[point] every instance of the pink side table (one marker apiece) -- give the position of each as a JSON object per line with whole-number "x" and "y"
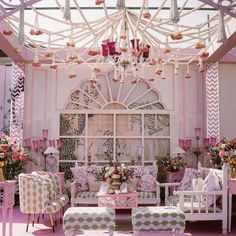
{"x": 232, "y": 190}
{"x": 7, "y": 200}
{"x": 118, "y": 201}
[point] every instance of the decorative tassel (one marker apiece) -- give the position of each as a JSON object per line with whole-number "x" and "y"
{"x": 67, "y": 15}
{"x": 221, "y": 28}
{"x": 120, "y": 4}
{"x": 187, "y": 76}
{"x": 21, "y": 35}
{"x": 163, "y": 74}
{"x": 174, "y": 13}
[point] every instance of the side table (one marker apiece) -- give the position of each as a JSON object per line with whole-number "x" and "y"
{"x": 232, "y": 190}
{"x": 7, "y": 200}
{"x": 118, "y": 201}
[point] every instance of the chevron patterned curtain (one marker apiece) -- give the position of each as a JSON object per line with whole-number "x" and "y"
{"x": 212, "y": 101}
{"x": 17, "y": 101}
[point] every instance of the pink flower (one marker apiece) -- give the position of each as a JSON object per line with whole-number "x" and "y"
{"x": 23, "y": 157}
{"x": 15, "y": 155}
{"x": 221, "y": 153}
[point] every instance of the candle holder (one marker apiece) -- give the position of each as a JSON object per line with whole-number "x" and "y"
{"x": 197, "y": 152}
{"x": 41, "y": 145}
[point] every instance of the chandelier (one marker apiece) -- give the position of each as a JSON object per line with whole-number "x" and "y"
{"x": 126, "y": 40}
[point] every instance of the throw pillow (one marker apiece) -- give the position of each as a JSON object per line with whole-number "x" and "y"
{"x": 211, "y": 183}
{"x": 132, "y": 185}
{"x": 147, "y": 181}
{"x": 198, "y": 186}
{"x": 93, "y": 184}
{"x": 80, "y": 174}
{"x": 186, "y": 182}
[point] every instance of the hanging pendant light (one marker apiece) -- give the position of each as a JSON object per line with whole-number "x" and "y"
{"x": 174, "y": 13}
{"x": 67, "y": 14}
{"x": 221, "y": 28}
{"x": 21, "y": 35}
{"x": 120, "y": 4}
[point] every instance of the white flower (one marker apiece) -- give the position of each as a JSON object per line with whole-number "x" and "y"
{"x": 222, "y": 145}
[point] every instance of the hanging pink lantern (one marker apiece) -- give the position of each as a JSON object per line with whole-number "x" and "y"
{"x": 52, "y": 143}
{"x": 135, "y": 44}
{"x": 112, "y": 48}
{"x": 42, "y": 143}
{"x": 59, "y": 143}
{"x": 105, "y": 50}
{"x": 45, "y": 133}
{"x": 181, "y": 143}
{"x": 206, "y": 142}
{"x": 188, "y": 143}
{"x": 27, "y": 142}
{"x": 35, "y": 144}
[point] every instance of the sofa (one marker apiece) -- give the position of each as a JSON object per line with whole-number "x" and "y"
{"x": 202, "y": 195}
{"x": 84, "y": 188}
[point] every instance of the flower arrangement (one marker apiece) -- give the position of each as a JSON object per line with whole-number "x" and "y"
{"x": 115, "y": 174}
{"x": 222, "y": 152}
{"x": 172, "y": 164}
{"x": 12, "y": 158}
{"x": 175, "y": 164}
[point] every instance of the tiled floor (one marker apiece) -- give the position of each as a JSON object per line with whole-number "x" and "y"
{"x": 123, "y": 223}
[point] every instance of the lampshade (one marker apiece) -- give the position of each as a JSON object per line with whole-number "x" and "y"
{"x": 178, "y": 150}
{"x": 50, "y": 150}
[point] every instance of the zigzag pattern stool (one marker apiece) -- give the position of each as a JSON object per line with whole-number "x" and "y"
{"x": 77, "y": 219}
{"x": 158, "y": 219}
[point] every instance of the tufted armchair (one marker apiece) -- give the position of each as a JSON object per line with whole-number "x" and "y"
{"x": 39, "y": 195}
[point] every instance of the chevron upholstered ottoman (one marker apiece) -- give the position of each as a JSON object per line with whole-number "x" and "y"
{"x": 158, "y": 219}
{"x": 78, "y": 219}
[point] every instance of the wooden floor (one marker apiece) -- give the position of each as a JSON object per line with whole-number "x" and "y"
{"x": 123, "y": 227}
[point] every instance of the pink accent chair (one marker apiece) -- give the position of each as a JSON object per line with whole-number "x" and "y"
{"x": 7, "y": 200}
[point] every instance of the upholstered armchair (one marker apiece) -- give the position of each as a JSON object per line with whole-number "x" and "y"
{"x": 38, "y": 196}
{"x": 55, "y": 187}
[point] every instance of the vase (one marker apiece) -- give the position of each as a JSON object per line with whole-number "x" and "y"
{"x": 114, "y": 185}
{"x": 231, "y": 172}
{"x": 2, "y": 171}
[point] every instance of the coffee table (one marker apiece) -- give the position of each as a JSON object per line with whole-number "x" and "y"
{"x": 118, "y": 201}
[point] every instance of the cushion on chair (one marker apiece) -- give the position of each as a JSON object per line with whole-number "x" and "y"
{"x": 86, "y": 194}
{"x": 53, "y": 206}
{"x": 211, "y": 183}
{"x": 146, "y": 195}
{"x": 147, "y": 177}
{"x": 93, "y": 184}
{"x": 80, "y": 175}
{"x": 186, "y": 182}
